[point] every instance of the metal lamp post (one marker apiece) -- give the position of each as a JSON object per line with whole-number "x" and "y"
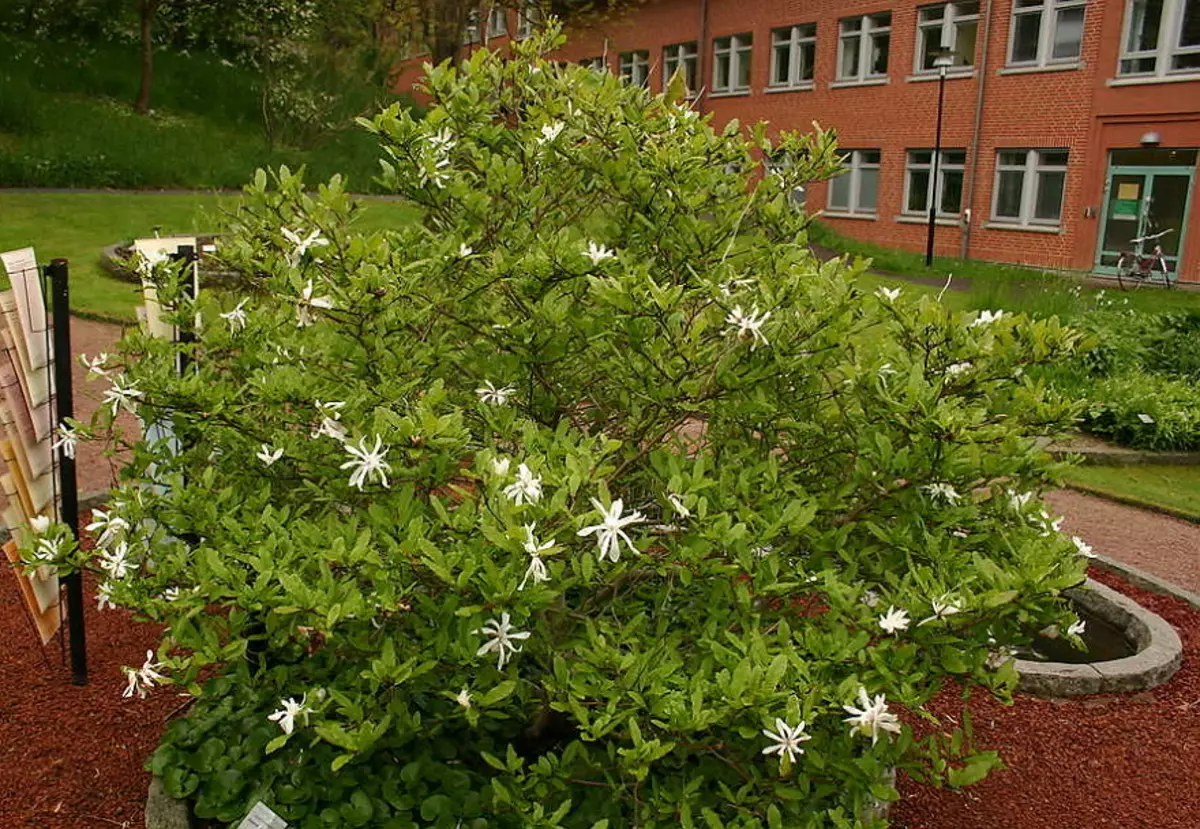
{"x": 943, "y": 59}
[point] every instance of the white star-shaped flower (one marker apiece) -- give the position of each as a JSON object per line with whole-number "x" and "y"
{"x": 286, "y": 716}
{"x": 108, "y": 524}
{"x": 96, "y": 366}
{"x": 942, "y": 492}
{"x": 495, "y": 396}
{"x": 1077, "y": 628}
{"x": 611, "y": 531}
{"x": 302, "y": 244}
{"x": 1083, "y": 547}
{"x": 236, "y": 318}
{"x": 536, "y": 571}
{"x": 942, "y": 608}
{"x": 122, "y": 396}
{"x": 47, "y": 550}
{"x": 526, "y": 489}
{"x": 787, "y": 741}
{"x": 676, "y": 502}
{"x": 306, "y": 304}
{"x": 464, "y": 699}
{"x": 367, "y": 463}
{"x": 748, "y": 326}
{"x": 955, "y": 369}
{"x": 141, "y": 680}
{"x": 442, "y": 141}
{"x": 68, "y": 441}
{"x": 500, "y": 466}
{"x": 894, "y": 621}
{"x": 116, "y": 562}
{"x": 268, "y": 455}
{"x": 501, "y": 639}
{"x": 987, "y": 318}
{"x": 870, "y": 598}
{"x": 551, "y": 132}
{"x": 873, "y": 718}
{"x": 598, "y": 253}
{"x": 1019, "y": 500}
{"x": 465, "y": 250}
{"x": 39, "y": 524}
{"x": 104, "y": 596}
{"x": 888, "y": 294}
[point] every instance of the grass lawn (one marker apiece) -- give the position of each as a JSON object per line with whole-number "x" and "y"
{"x": 78, "y": 226}
{"x": 1174, "y": 487}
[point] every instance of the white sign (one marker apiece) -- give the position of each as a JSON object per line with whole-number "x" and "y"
{"x": 261, "y": 817}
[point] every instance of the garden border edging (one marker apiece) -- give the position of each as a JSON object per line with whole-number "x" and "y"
{"x": 1159, "y": 654}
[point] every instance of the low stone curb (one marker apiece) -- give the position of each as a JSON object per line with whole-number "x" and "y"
{"x": 1148, "y": 581}
{"x": 1128, "y": 501}
{"x": 1125, "y": 457}
{"x": 164, "y": 811}
{"x": 1159, "y": 652}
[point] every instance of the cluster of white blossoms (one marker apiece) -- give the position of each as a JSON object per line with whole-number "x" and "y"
{"x": 435, "y": 168}
{"x": 142, "y": 680}
{"x": 330, "y": 425}
{"x": 986, "y": 318}
{"x": 302, "y": 244}
{"x": 598, "y": 253}
{"x": 236, "y": 318}
{"x": 68, "y": 440}
{"x": 942, "y": 492}
{"x": 122, "y": 395}
{"x": 307, "y": 304}
{"x": 871, "y": 720}
{"x": 493, "y": 396}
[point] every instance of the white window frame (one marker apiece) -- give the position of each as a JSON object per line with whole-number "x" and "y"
{"x": 932, "y": 189}
{"x": 792, "y": 38}
{"x": 854, "y": 167}
{"x": 634, "y": 67}
{"x": 1170, "y": 32}
{"x": 947, "y": 36}
{"x": 528, "y": 19}
{"x": 596, "y": 64}
{"x": 1050, "y": 10}
{"x": 867, "y": 30}
{"x": 741, "y": 47}
{"x": 1031, "y": 183}
{"x": 497, "y": 22}
{"x": 682, "y": 55}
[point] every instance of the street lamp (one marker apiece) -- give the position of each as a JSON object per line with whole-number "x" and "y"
{"x": 943, "y": 59}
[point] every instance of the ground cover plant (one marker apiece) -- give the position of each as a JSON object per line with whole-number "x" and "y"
{"x": 562, "y": 506}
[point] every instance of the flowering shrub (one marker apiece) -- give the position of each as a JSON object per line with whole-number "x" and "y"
{"x": 592, "y": 499}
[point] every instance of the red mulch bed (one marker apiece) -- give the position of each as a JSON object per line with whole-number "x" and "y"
{"x": 72, "y": 757}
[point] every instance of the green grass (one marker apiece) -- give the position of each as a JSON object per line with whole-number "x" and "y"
{"x": 78, "y": 226}
{"x": 1176, "y": 488}
{"x": 996, "y": 285}
{"x": 66, "y": 121}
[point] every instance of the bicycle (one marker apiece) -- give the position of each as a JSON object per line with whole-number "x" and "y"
{"x": 1135, "y": 268}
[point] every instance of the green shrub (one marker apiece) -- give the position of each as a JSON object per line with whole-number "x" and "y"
{"x": 1145, "y": 411}
{"x": 567, "y": 506}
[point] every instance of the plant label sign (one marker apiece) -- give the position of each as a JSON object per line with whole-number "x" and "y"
{"x": 261, "y": 817}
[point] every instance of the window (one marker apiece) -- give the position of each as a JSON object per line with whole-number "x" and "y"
{"x": 793, "y": 52}
{"x": 1161, "y": 37}
{"x": 1029, "y": 186}
{"x": 683, "y": 57}
{"x": 596, "y": 64}
{"x": 863, "y": 47}
{"x": 635, "y": 67}
{"x": 471, "y": 31}
{"x": 528, "y": 19}
{"x": 954, "y": 26}
{"x": 855, "y": 190}
{"x": 919, "y": 186}
{"x": 731, "y": 63}
{"x": 497, "y": 22}
{"x": 1045, "y": 32}
{"x": 777, "y": 165}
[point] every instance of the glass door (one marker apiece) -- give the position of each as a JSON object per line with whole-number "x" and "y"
{"x": 1142, "y": 201}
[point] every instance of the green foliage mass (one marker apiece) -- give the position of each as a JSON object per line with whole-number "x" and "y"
{"x": 583, "y": 306}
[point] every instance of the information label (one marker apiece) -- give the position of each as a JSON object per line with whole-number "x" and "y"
{"x": 261, "y": 817}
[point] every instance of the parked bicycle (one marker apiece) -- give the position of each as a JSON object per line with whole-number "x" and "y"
{"x": 1135, "y": 267}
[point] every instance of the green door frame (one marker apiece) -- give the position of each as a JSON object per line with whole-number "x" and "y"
{"x": 1149, "y": 172}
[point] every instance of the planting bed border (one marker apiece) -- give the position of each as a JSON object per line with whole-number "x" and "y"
{"x": 1159, "y": 652}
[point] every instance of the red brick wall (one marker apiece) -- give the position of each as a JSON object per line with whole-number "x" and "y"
{"x": 1075, "y": 109}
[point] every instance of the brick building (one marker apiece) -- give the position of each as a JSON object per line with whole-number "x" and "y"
{"x": 1070, "y": 126}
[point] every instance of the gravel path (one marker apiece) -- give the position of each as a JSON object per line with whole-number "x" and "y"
{"x": 1167, "y": 547}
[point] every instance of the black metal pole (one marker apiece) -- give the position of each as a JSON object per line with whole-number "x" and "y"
{"x": 187, "y": 333}
{"x": 937, "y": 157}
{"x": 60, "y": 306}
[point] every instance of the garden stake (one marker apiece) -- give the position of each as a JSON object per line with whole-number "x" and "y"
{"x": 65, "y": 409}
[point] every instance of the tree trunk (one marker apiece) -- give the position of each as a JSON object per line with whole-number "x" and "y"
{"x": 146, "y": 9}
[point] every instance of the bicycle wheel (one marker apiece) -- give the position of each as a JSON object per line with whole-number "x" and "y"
{"x": 1127, "y": 265}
